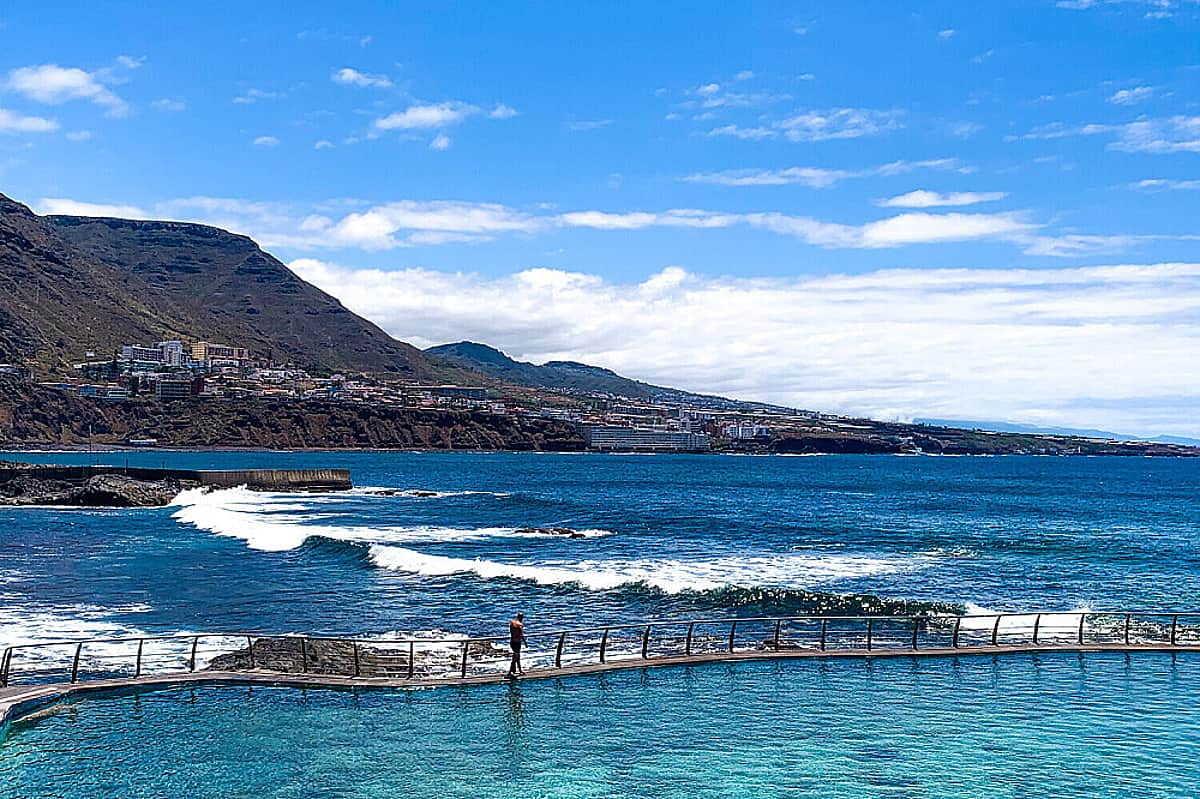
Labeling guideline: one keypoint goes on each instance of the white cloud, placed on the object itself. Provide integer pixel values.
(440, 142)
(502, 111)
(352, 77)
(1171, 184)
(814, 126)
(1139, 94)
(12, 122)
(946, 33)
(817, 177)
(922, 198)
(323, 144)
(416, 117)
(251, 96)
(65, 207)
(1098, 346)
(355, 225)
(587, 124)
(79, 135)
(266, 141)
(1176, 134)
(53, 84)
(745, 74)
(168, 105)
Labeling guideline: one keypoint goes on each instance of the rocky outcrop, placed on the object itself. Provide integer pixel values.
(101, 491)
(296, 655)
(564, 532)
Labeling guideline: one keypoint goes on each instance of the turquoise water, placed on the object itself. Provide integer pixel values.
(1097, 725)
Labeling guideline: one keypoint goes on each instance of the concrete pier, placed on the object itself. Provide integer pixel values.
(260, 479)
(24, 700)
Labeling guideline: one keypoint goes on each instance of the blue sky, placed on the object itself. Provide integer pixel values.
(677, 161)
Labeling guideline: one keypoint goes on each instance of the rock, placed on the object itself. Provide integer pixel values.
(565, 532)
(101, 491)
(118, 491)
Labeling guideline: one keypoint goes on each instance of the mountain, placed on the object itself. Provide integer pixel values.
(77, 284)
(570, 376)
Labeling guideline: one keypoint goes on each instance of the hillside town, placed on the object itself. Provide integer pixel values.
(175, 371)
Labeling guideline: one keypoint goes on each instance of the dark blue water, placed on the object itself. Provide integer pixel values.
(666, 536)
(1026, 726)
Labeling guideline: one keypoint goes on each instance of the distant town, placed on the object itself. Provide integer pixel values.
(179, 375)
(171, 371)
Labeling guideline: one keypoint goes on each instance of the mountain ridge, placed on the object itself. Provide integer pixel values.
(93, 283)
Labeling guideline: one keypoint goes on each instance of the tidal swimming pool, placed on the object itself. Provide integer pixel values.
(1061, 725)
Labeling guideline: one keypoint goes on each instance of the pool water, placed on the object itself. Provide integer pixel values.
(1061, 725)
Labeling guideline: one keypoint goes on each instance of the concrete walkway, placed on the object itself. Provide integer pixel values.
(23, 700)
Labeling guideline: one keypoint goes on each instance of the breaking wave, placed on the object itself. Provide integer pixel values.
(275, 522)
(667, 576)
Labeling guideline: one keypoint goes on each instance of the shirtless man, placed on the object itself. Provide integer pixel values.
(516, 635)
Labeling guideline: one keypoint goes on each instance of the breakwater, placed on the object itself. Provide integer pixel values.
(260, 479)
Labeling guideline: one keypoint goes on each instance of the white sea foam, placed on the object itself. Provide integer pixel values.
(670, 576)
(277, 522)
(1051, 626)
(421, 493)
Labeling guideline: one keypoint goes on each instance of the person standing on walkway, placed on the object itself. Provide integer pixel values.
(516, 636)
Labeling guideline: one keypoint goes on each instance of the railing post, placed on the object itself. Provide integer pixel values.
(250, 649)
(823, 623)
(137, 671)
(778, 625)
(412, 659)
(562, 639)
(466, 646)
(1037, 622)
(603, 644)
(732, 633)
(4, 664)
(1174, 628)
(996, 629)
(870, 628)
(1082, 616)
(916, 627)
(687, 648)
(646, 643)
(357, 669)
(75, 663)
(192, 659)
(1127, 629)
(957, 625)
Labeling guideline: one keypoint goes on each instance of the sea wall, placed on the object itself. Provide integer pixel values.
(263, 479)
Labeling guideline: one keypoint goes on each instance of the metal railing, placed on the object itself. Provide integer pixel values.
(416, 658)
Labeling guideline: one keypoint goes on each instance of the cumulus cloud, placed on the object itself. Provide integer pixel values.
(1096, 346)
(1139, 94)
(922, 198)
(66, 207)
(52, 84)
(352, 77)
(266, 141)
(12, 122)
(440, 142)
(437, 115)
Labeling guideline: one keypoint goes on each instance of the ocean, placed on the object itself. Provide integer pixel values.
(434, 542)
